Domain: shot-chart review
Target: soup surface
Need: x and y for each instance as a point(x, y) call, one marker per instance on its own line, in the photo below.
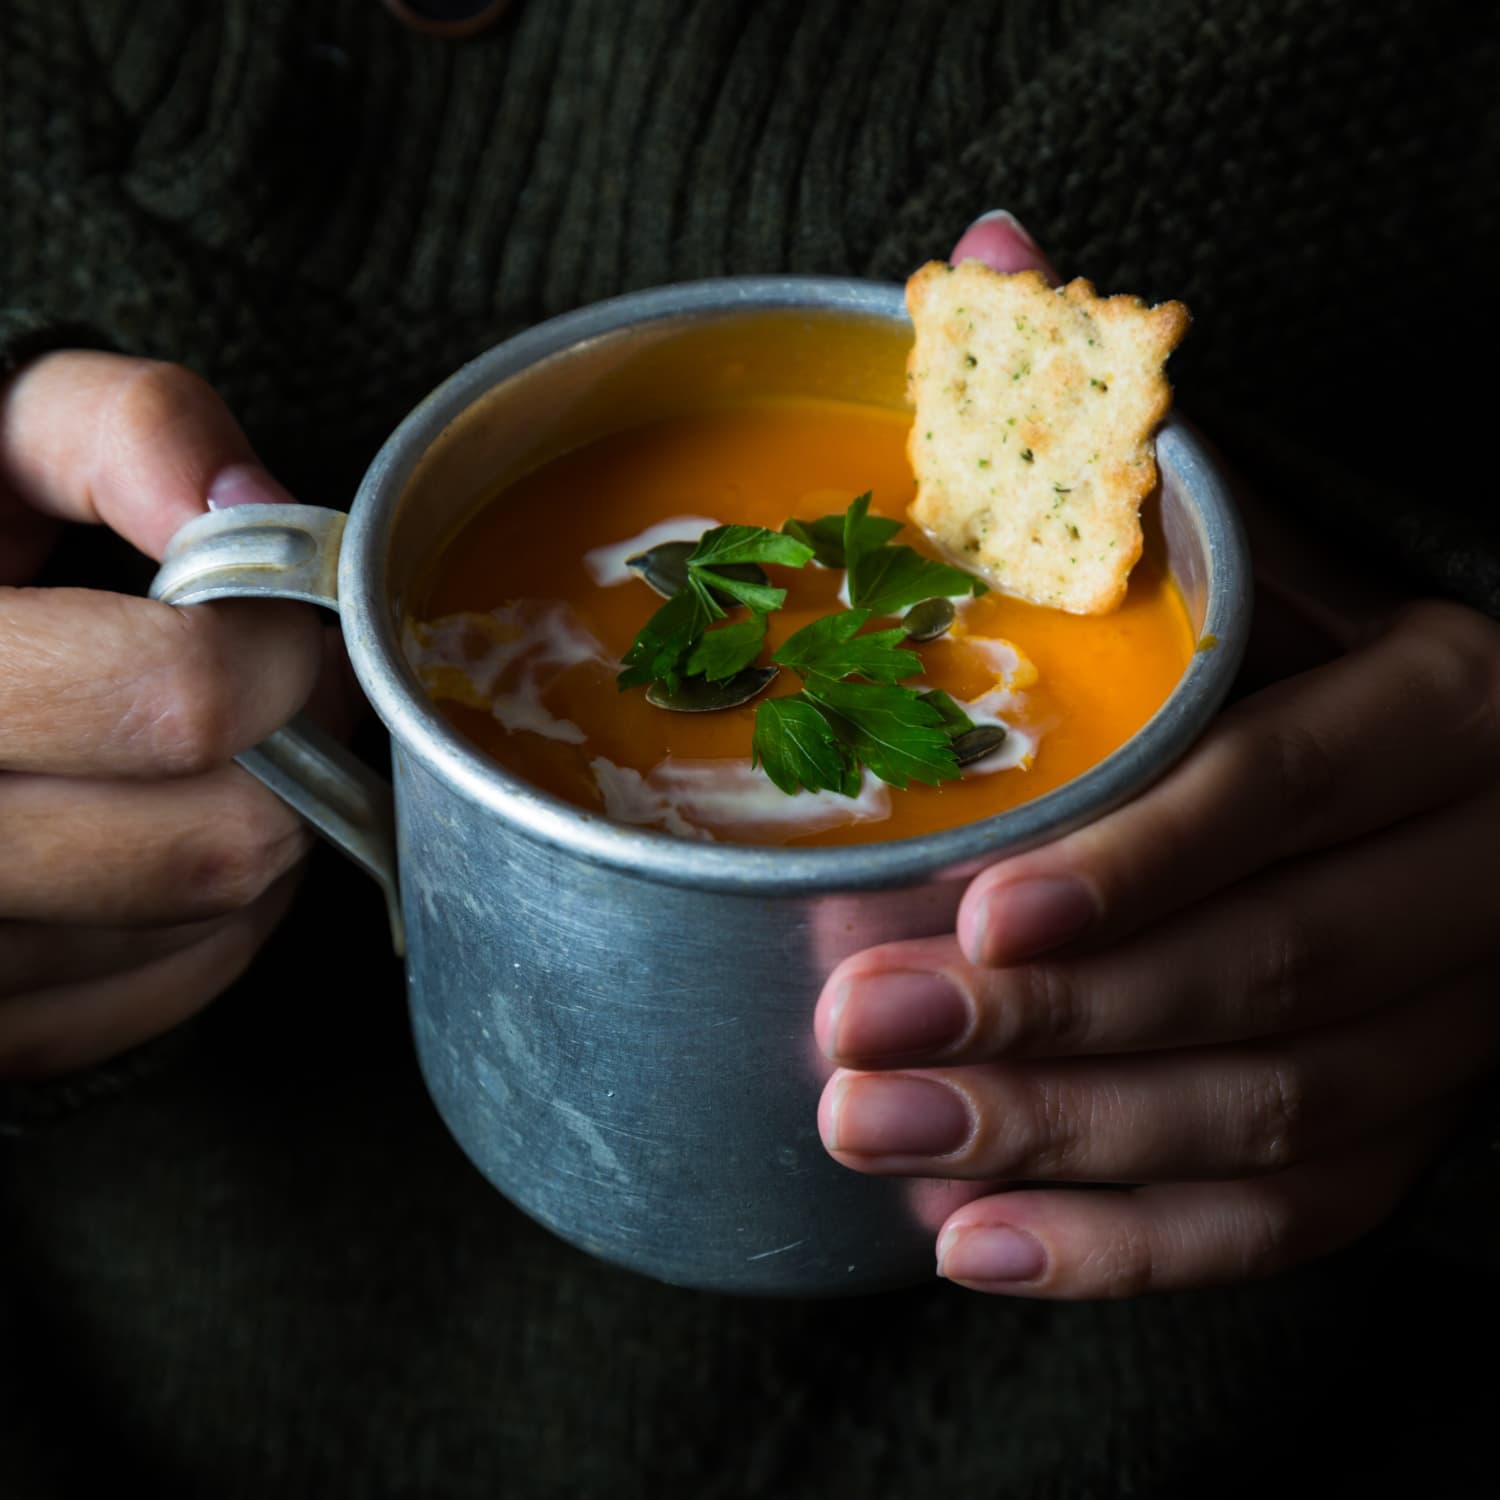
point(518, 629)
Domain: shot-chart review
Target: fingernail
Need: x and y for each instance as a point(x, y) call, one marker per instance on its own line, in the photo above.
point(1006, 217)
point(1028, 917)
point(245, 484)
point(896, 1116)
point(987, 1253)
point(892, 1015)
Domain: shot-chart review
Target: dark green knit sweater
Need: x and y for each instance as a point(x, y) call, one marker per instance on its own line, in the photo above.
point(254, 1265)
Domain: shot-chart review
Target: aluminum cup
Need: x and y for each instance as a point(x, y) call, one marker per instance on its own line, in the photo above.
point(616, 1025)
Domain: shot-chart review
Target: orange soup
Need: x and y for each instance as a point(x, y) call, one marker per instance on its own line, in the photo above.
point(519, 626)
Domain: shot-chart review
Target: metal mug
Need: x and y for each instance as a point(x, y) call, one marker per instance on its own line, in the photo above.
point(616, 1024)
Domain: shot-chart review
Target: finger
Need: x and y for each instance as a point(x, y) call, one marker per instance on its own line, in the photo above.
point(1306, 764)
point(106, 853)
point(337, 703)
point(65, 1027)
point(1301, 946)
point(37, 955)
point(1003, 244)
point(135, 444)
point(1072, 1245)
point(95, 684)
point(99, 684)
point(1200, 1113)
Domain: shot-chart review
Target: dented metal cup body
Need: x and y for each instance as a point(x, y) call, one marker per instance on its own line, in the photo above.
point(616, 1025)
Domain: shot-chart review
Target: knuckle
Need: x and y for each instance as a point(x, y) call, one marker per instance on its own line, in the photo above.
point(1280, 965)
point(251, 843)
point(1038, 1009)
point(1303, 774)
point(1457, 657)
point(1124, 1266)
point(1060, 1137)
point(1007, 1131)
point(155, 398)
point(1273, 1108)
point(1263, 1236)
point(1032, 1130)
point(183, 710)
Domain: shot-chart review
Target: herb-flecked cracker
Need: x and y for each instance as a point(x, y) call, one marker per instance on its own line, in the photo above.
point(1035, 413)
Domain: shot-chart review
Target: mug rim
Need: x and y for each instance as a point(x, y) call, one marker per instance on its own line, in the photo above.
point(419, 730)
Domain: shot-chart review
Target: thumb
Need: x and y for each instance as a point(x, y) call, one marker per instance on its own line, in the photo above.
point(105, 685)
point(1003, 244)
point(137, 445)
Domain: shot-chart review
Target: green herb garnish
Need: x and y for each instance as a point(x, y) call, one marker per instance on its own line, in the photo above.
point(952, 715)
point(831, 647)
point(829, 536)
point(894, 578)
point(669, 635)
point(798, 746)
point(658, 653)
point(888, 729)
point(894, 731)
point(728, 650)
point(852, 712)
point(882, 579)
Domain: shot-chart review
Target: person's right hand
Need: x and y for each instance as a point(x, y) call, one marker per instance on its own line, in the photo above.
point(139, 868)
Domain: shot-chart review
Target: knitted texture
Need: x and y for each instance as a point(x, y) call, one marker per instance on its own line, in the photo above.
point(325, 214)
point(264, 1269)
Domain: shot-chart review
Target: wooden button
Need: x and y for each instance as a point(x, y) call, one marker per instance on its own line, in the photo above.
point(449, 18)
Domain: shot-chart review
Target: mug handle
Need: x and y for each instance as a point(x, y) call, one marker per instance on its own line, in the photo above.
point(292, 552)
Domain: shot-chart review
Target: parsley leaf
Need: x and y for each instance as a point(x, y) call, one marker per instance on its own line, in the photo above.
point(721, 653)
point(761, 597)
point(655, 654)
point(889, 729)
point(826, 535)
point(748, 544)
point(857, 539)
point(827, 546)
point(798, 747)
point(892, 578)
point(668, 645)
point(724, 546)
point(955, 720)
point(829, 647)
point(708, 605)
point(882, 578)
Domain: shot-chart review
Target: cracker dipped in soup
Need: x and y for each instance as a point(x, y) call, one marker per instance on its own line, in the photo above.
point(724, 624)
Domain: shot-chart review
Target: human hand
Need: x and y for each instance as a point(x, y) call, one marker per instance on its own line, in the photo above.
point(1260, 993)
point(139, 868)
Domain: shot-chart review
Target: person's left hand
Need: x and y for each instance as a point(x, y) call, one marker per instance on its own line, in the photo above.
point(1260, 994)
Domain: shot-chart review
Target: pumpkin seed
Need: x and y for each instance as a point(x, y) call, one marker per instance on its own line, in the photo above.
point(975, 744)
point(929, 619)
point(697, 695)
point(665, 569)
